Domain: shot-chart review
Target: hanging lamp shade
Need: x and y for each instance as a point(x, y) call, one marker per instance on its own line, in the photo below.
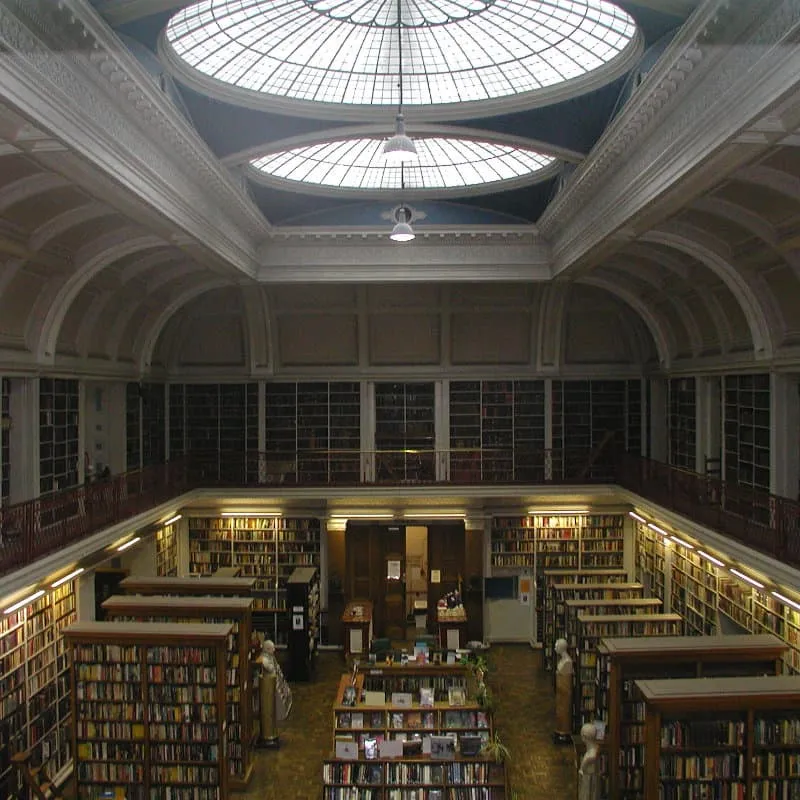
point(402, 231)
point(399, 148)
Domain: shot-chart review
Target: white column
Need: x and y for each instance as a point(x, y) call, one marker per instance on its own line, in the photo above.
point(24, 440)
point(441, 409)
point(659, 446)
point(784, 429)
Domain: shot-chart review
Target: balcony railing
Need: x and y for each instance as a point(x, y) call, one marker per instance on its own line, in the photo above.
point(31, 530)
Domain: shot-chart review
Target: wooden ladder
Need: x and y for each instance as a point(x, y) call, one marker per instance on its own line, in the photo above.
point(35, 778)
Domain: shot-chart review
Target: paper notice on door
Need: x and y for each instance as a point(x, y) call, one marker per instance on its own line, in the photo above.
point(356, 640)
point(453, 639)
point(436, 576)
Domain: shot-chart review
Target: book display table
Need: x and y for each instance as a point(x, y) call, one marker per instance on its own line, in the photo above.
point(452, 629)
point(357, 628)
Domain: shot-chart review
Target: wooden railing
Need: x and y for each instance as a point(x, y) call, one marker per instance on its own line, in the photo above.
point(31, 530)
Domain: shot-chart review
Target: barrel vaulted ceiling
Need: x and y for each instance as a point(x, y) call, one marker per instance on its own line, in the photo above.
point(136, 241)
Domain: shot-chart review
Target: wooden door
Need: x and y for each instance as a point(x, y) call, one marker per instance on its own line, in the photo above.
point(369, 548)
point(447, 557)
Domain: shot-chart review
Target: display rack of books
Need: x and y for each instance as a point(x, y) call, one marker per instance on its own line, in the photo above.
point(390, 678)
point(235, 611)
point(594, 627)
point(34, 686)
point(264, 548)
point(149, 710)
point(729, 737)
point(693, 591)
point(167, 551)
point(561, 585)
point(620, 662)
point(199, 587)
point(303, 599)
point(422, 778)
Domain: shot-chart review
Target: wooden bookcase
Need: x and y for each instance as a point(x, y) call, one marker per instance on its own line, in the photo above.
point(235, 611)
point(712, 598)
point(621, 662)
point(720, 737)
point(205, 587)
point(149, 709)
point(59, 404)
point(265, 549)
point(594, 627)
point(167, 551)
point(390, 678)
point(35, 710)
point(303, 599)
point(396, 779)
point(555, 610)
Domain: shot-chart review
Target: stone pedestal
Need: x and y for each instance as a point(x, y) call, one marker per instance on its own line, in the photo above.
point(563, 728)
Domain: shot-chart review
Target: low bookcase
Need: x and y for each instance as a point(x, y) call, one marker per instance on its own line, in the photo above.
point(235, 611)
point(546, 600)
point(730, 738)
point(414, 779)
point(620, 662)
point(594, 627)
point(413, 677)
point(202, 587)
point(149, 709)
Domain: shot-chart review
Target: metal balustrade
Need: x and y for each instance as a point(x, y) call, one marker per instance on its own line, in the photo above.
point(33, 529)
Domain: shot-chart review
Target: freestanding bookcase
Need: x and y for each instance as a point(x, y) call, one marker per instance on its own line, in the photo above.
point(721, 737)
point(236, 611)
point(205, 587)
point(620, 662)
point(302, 597)
point(149, 710)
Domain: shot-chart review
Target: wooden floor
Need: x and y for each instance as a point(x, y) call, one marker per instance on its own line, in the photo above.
point(524, 713)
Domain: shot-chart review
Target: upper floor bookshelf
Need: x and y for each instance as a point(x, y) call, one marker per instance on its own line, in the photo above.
point(59, 403)
point(682, 422)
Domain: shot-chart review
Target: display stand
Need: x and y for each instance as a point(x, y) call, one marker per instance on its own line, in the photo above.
point(453, 630)
point(357, 629)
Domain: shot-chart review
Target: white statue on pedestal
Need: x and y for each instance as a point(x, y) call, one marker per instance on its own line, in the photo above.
point(283, 694)
point(563, 731)
point(588, 782)
point(564, 664)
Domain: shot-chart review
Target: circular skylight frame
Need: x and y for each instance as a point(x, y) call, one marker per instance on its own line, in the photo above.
point(440, 153)
point(613, 68)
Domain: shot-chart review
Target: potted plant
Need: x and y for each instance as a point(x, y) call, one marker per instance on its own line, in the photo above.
point(496, 750)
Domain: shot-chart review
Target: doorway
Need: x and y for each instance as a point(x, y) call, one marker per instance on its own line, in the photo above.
point(404, 569)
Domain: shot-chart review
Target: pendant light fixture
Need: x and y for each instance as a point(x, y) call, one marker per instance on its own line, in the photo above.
point(400, 147)
point(402, 231)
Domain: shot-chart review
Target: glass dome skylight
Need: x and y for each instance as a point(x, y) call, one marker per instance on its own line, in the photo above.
point(444, 163)
point(347, 51)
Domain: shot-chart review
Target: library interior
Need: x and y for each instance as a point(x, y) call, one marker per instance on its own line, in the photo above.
point(399, 400)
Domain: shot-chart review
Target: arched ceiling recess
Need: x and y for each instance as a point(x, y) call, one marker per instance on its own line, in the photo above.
point(356, 59)
point(481, 329)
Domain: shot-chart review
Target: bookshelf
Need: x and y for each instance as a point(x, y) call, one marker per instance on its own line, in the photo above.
point(234, 611)
point(35, 707)
point(390, 678)
point(149, 709)
point(405, 779)
point(555, 619)
point(682, 423)
point(5, 441)
point(720, 601)
point(303, 601)
point(541, 543)
point(167, 551)
point(59, 401)
point(153, 423)
point(747, 433)
point(207, 587)
point(594, 627)
point(621, 662)
point(694, 591)
point(177, 420)
point(264, 549)
point(721, 737)
point(133, 426)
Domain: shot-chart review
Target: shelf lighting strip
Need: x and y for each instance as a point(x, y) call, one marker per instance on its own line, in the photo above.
point(171, 520)
point(747, 578)
point(129, 543)
point(66, 578)
point(250, 514)
point(710, 558)
point(637, 517)
point(24, 602)
point(682, 543)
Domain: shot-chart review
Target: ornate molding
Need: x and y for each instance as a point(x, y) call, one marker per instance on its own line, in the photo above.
point(729, 64)
point(66, 71)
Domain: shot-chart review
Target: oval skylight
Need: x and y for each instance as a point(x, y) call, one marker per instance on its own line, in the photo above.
point(349, 51)
point(444, 163)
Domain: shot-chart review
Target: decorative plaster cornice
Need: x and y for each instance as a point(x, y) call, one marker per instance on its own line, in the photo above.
point(432, 257)
point(68, 72)
point(727, 66)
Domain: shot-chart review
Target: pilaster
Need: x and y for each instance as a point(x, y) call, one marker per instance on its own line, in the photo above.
point(659, 444)
point(784, 467)
point(24, 439)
